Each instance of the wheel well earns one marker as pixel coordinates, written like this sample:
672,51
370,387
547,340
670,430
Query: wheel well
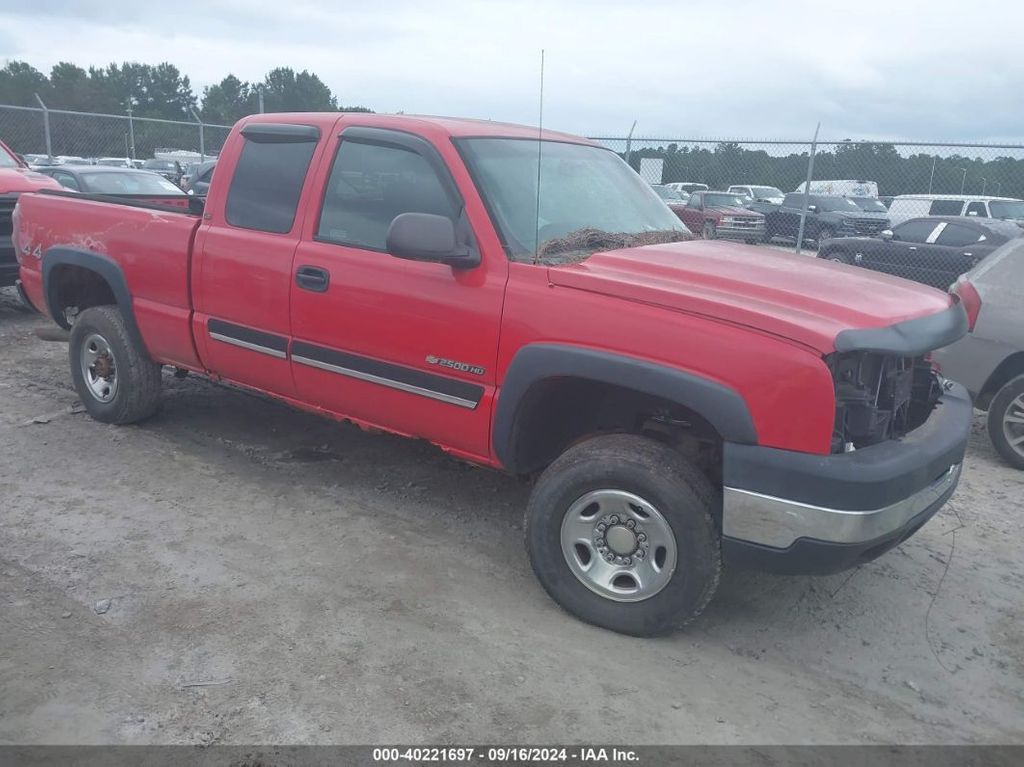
1008,369
77,288
559,412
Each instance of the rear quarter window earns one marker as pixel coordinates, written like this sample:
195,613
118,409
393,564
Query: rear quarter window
946,208
265,189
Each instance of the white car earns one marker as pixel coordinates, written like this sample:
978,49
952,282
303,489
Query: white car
758,193
845,187
907,206
687,186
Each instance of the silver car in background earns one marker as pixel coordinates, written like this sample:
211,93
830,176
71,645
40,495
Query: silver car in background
989,360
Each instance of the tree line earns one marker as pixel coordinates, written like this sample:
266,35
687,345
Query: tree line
727,163
162,91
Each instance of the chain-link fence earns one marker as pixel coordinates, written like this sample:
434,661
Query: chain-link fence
60,133
862,189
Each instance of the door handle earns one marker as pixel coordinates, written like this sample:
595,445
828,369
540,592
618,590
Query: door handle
967,254
313,278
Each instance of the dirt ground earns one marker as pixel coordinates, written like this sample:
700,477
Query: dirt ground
273,577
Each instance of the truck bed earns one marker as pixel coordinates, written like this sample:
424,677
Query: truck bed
152,244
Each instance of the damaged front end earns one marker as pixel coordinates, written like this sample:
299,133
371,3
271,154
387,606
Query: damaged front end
880,396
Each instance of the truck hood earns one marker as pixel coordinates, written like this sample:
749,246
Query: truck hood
799,298
17,180
733,211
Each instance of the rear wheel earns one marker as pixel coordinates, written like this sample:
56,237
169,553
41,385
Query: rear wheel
620,533
115,379
709,232
1006,422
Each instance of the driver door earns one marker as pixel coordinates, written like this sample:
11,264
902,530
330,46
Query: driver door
409,346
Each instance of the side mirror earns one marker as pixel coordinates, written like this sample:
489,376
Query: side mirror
427,237
886,234
196,205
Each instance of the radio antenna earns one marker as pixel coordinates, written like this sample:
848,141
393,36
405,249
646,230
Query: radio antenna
540,144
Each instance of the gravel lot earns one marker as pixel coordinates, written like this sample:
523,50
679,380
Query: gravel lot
273,577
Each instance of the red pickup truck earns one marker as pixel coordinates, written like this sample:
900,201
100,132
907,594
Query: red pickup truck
15,177
679,403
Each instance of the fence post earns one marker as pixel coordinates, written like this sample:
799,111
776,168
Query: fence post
202,138
131,131
807,190
629,144
46,126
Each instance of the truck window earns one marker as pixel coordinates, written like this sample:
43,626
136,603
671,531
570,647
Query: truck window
976,209
371,184
265,189
946,208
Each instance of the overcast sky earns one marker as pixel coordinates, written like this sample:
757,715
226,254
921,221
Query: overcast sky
934,70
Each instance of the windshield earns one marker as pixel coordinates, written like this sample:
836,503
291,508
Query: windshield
1007,208
837,203
869,204
128,183
668,194
762,192
722,200
581,188
159,165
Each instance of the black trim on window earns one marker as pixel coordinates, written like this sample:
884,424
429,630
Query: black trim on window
281,133
399,377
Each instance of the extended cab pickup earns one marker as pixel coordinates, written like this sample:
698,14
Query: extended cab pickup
716,215
679,403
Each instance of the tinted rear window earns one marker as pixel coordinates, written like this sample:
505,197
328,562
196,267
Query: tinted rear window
265,189
946,208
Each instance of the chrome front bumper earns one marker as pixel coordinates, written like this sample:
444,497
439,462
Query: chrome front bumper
778,522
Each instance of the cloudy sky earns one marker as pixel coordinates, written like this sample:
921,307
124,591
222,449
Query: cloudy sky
933,70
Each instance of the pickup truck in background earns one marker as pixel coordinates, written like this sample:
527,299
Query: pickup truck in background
678,403
15,178
828,216
720,215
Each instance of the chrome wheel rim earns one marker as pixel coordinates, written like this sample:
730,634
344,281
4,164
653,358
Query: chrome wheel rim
98,368
1013,425
618,545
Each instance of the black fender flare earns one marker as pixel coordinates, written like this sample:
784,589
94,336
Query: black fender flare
105,267
722,406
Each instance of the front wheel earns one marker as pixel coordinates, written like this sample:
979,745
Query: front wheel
115,379
1006,422
620,532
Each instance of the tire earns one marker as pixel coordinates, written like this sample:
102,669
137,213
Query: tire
709,232
1008,404
115,379
599,471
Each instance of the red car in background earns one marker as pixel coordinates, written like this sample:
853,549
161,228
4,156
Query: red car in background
715,215
15,178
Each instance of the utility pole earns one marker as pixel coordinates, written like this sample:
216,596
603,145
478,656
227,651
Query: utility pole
807,190
259,91
931,178
131,129
963,180
984,183
46,126
202,139
629,143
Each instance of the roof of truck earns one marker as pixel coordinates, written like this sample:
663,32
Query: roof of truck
455,127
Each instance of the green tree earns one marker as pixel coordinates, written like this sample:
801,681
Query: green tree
19,82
